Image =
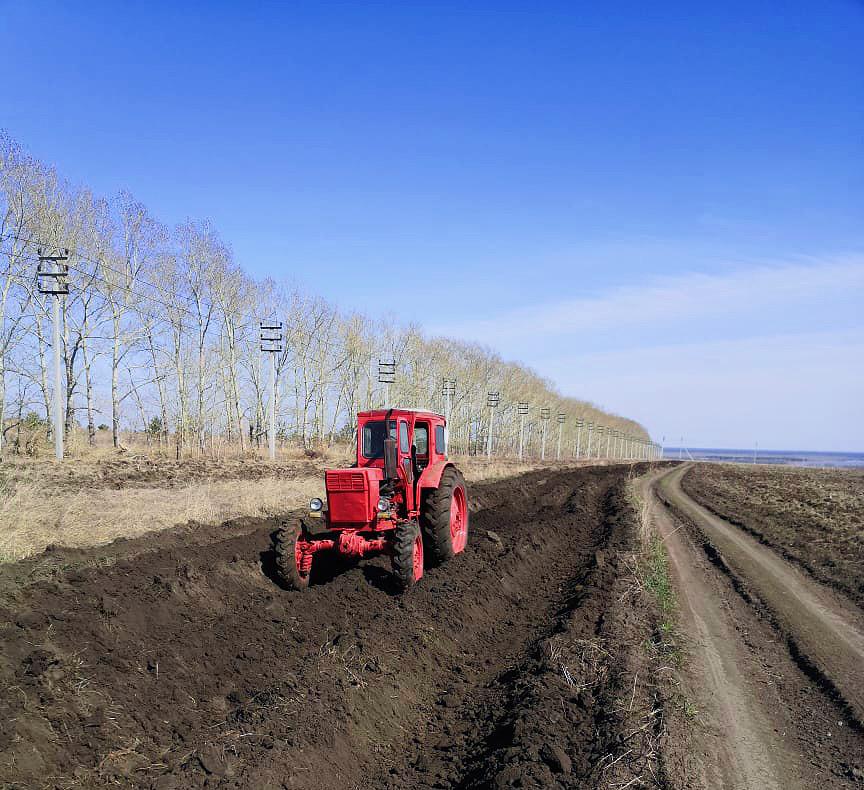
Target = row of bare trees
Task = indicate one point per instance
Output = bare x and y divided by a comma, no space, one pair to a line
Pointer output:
160,337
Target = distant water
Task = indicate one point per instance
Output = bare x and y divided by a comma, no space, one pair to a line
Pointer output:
785,457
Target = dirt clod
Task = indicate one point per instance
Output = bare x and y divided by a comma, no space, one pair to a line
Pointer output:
212,762
32,620
556,758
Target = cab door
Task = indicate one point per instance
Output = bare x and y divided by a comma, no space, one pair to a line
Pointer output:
406,462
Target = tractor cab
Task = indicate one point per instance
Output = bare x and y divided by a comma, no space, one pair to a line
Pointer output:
420,436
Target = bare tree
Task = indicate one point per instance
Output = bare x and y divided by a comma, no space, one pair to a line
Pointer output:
164,327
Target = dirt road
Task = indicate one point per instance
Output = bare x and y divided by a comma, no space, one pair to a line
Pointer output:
173,661
774,669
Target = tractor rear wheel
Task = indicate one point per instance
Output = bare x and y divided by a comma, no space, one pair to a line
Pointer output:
290,565
407,555
444,517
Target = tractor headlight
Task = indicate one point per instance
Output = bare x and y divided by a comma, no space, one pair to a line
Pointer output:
316,505
383,504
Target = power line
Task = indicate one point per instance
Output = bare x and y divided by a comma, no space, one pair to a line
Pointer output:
155,300
122,273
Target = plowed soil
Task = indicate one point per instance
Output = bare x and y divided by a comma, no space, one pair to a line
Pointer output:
143,471
175,660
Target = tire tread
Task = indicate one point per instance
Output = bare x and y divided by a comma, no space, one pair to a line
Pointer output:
435,517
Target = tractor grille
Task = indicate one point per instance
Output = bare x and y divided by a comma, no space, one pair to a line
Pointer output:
352,481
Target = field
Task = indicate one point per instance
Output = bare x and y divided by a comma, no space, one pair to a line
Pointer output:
814,517
175,661
602,630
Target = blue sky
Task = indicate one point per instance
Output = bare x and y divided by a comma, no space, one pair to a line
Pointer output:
658,208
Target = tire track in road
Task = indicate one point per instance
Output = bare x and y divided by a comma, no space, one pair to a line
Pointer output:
823,628
747,754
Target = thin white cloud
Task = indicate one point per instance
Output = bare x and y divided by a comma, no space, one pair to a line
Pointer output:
673,300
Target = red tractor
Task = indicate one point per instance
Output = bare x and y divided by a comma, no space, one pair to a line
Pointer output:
402,497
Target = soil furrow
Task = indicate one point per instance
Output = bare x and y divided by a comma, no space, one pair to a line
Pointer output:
538,722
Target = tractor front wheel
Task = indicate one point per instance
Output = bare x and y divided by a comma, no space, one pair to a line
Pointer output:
407,555
293,567
444,516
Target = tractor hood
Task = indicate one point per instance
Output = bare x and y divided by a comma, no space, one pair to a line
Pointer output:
352,494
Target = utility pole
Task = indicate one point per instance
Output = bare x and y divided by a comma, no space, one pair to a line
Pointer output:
522,411
561,418
590,431
579,423
492,400
608,442
545,414
448,390
271,343
386,376
52,277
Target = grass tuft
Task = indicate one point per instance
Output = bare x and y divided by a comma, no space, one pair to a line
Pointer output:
657,580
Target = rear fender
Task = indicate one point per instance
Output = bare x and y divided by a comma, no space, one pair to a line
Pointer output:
431,475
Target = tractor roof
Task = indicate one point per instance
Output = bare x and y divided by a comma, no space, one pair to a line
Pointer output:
382,413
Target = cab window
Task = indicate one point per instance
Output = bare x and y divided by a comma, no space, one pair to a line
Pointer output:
374,434
421,439
404,447
440,440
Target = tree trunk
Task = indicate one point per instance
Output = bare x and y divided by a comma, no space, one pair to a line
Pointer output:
2,402
88,389
43,377
160,388
115,397
201,445
69,360
181,393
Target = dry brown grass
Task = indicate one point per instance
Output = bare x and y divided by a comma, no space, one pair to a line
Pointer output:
31,519
108,495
